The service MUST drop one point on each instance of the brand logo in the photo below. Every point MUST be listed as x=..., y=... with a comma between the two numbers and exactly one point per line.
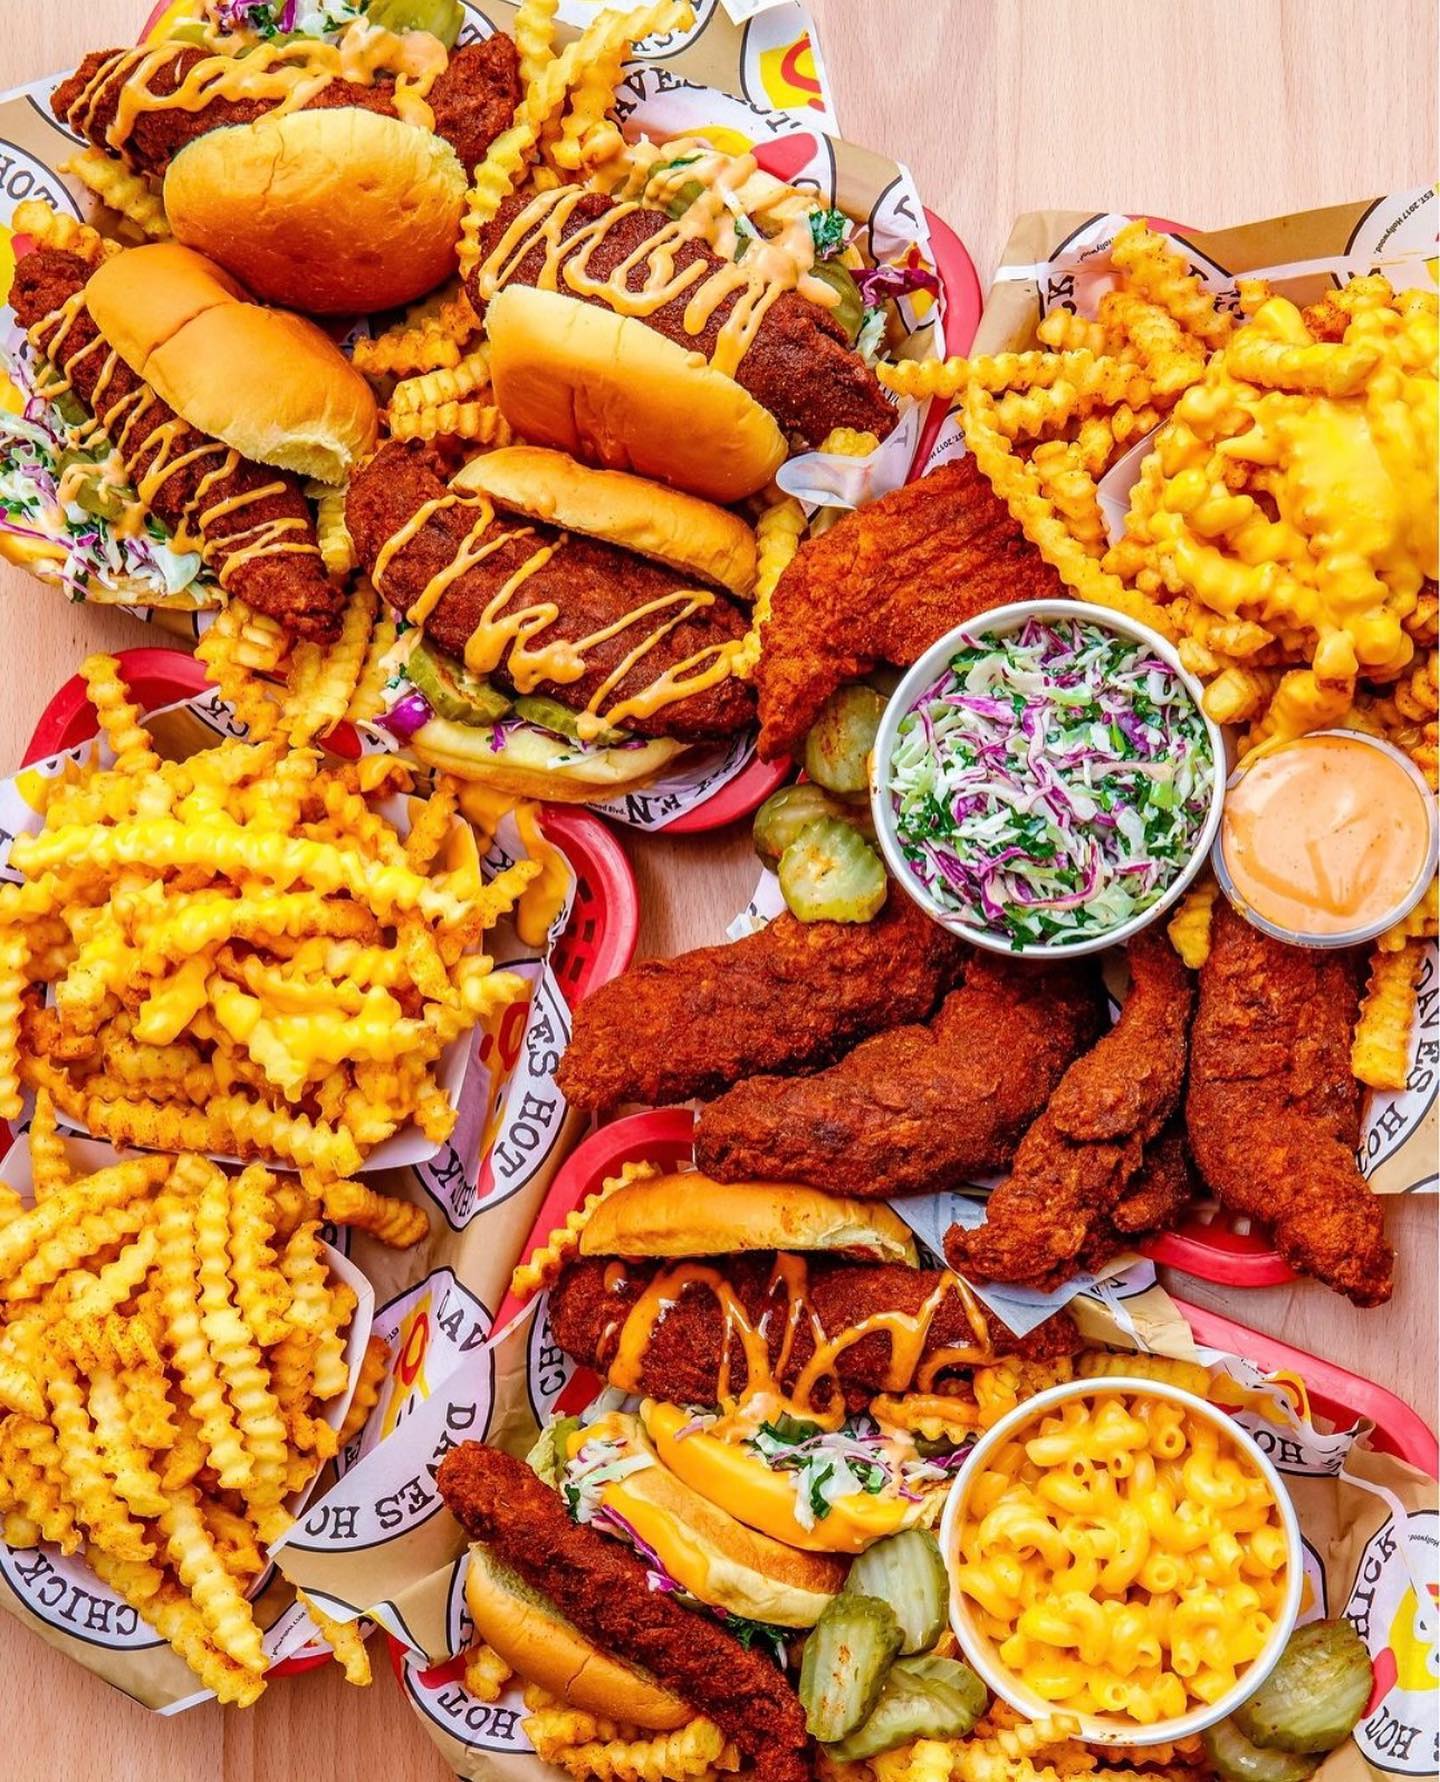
x=1400, y=1625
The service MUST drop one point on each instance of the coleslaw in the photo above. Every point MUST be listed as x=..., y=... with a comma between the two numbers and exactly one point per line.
x=1053, y=783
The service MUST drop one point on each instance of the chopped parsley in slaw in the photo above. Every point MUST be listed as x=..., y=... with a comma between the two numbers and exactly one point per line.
x=1053, y=783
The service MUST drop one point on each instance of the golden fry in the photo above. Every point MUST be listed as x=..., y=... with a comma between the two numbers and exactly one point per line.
x=1380, y=1051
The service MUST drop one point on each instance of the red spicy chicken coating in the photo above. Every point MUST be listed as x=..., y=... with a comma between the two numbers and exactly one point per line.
x=920, y=1108
x=603, y=1589
x=883, y=585
x=1086, y=1151
x=800, y=364
x=591, y=583
x=473, y=100
x=795, y=995
x=1273, y=1109
x=290, y=587
x=681, y=1360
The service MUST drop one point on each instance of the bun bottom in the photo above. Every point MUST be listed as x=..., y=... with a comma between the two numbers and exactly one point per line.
x=534, y=764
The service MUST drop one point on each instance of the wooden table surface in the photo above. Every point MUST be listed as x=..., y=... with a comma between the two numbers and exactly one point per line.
x=1215, y=111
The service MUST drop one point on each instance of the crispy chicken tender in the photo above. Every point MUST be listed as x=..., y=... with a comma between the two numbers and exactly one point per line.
x=1086, y=1153
x=602, y=1587
x=681, y=1362
x=917, y=1109
x=290, y=587
x=800, y=364
x=1273, y=1111
x=882, y=586
x=473, y=101
x=791, y=997
x=592, y=584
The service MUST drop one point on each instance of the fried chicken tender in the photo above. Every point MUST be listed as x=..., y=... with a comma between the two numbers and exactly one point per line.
x=922, y=1107
x=800, y=364
x=682, y=1358
x=602, y=1588
x=592, y=586
x=290, y=587
x=794, y=996
x=882, y=586
x=473, y=100
x=1273, y=1111
x=1086, y=1154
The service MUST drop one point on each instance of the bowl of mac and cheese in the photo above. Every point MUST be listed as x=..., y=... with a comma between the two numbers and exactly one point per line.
x=1122, y=1553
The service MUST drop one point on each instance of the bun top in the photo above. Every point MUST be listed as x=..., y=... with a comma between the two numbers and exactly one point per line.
x=607, y=388
x=687, y=534
x=689, y=1215
x=338, y=212
x=267, y=383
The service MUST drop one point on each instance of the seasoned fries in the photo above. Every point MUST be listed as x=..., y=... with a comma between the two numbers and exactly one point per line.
x=254, y=966
x=149, y=1345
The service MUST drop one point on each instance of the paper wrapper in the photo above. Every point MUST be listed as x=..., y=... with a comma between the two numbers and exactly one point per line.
x=752, y=82
x=1061, y=259
x=433, y=1303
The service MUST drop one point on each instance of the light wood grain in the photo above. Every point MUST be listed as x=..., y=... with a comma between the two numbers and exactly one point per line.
x=1213, y=111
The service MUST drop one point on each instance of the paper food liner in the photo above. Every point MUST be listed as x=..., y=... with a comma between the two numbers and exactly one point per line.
x=1061, y=259
x=61, y=1598
x=433, y=1303
x=747, y=76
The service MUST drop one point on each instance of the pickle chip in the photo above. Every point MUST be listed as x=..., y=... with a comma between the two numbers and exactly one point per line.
x=1312, y=1699
x=906, y=1571
x=830, y=873
x=837, y=749
x=537, y=708
x=452, y=691
x=441, y=18
x=1235, y=1759
x=846, y=1661
x=922, y=1698
x=786, y=812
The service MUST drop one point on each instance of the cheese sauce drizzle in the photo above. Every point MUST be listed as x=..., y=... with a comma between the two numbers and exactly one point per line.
x=818, y=1377
x=267, y=538
x=510, y=631
x=287, y=74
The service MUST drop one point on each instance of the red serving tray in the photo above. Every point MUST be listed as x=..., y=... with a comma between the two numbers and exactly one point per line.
x=664, y=1137
x=598, y=942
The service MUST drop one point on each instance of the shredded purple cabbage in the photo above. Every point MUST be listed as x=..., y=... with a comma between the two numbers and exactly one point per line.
x=407, y=715
x=879, y=282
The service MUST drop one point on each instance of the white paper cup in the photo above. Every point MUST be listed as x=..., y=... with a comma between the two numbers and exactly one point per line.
x=980, y=1650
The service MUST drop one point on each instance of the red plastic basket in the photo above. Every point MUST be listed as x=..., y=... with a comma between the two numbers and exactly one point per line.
x=664, y=1136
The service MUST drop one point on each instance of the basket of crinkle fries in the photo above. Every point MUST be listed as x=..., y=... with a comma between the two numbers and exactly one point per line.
x=1242, y=457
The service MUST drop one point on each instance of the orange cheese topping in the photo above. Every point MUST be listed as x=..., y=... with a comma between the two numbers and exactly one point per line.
x=1325, y=835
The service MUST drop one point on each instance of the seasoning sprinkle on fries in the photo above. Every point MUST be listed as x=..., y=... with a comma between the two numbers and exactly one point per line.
x=246, y=926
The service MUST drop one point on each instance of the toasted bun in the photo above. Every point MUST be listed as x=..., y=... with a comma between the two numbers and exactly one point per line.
x=689, y=1215
x=686, y=534
x=338, y=212
x=540, y=1645
x=607, y=388
x=533, y=763
x=268, y=383
x=708, y=1552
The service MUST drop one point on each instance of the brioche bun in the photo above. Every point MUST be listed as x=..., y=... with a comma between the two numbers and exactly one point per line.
x=689, y=1215
x=540, y=1645
x=606, y=388
x=535, y=763
x=338, y=212
x=686, y=534
x=711, y=1553
x=268, y=383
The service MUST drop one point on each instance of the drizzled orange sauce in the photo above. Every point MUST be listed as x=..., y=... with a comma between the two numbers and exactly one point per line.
x=768, y=267
x=132, y=444
x=818, y=1378
x=512, y=631
x=288, y=75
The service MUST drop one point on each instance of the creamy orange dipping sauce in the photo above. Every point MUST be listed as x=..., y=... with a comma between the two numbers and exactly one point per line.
x=1325, y=835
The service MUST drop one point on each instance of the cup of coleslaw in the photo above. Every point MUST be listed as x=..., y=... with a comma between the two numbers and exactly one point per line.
x=1045, y=779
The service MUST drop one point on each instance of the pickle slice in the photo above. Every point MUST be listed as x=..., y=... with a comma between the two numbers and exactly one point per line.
x=441, y=18
x=1235, y=1759
x=535, y=708
x=93, y=494
x=830, y=873
x=1316, y=1693
x=846, y=1660
x=837, y=750
x=906, y=1571
x=786, y=812
x=683, y=197
x=452, y=691
x=922, y=1698
x=849, y=312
